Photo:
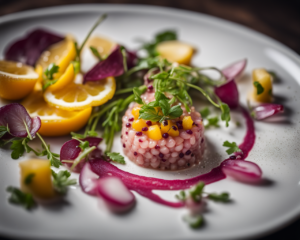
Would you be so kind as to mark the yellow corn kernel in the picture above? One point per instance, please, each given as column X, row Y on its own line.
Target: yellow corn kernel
column 154, row 132
column 136, row 112
column 262, row 77
column 170, row 128
column 137, row 125
column 187, row 123
column 39, row 172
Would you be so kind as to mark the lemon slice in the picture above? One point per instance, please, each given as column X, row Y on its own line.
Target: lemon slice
column 16, row 80
column 55, row 122
column 61, row 53
column 104, row 47
column 175, row 51
column 80, row 96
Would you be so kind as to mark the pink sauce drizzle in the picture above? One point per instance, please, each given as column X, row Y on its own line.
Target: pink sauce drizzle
column 145, row 185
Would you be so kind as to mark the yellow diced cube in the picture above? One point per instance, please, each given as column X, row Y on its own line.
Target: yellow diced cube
column 36, row 178
column 165, row 126
column 154, row 132
column 137, row 125
column 174, row 132
column 136, row 112
column 187, row 123
column 262, row 82
column 175, row 51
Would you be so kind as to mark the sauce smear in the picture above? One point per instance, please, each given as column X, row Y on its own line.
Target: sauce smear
column 145, row 185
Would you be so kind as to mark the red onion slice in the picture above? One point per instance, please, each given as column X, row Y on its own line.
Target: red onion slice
column 115, row 194
column 88, row 179
column 243, row 171
column 234, row 70
column 111, row 66
column 70, row 151
column 266, row 110
column 228, row 93
column 28, row 49
column 15, row 116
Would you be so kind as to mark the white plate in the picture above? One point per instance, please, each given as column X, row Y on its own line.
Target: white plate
column 256, row 210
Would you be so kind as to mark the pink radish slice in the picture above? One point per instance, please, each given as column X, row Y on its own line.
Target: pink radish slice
column 70, row 151
column 88, row 180
column 234, row 70
column 111, row 66
column 241, row 170
column 28, row 49
column 115, row 194
column 266, row 110
column 15, row 116
column 228, row 93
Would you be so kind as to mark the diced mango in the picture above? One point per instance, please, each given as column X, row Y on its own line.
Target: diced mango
column 187, row 123
column 36, row 178
column 262, row 82
column 154, row 132
column 175, row 51
column 137, row 125
column 169, row 128
column 165, row 127
column 136, row 112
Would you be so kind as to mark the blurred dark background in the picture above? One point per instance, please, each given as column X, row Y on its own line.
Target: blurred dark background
column 277, row 19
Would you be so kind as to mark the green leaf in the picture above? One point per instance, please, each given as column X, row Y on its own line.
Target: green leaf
column 137, row 96
column 51, row 70
column 48, row 83
column 225, row 115
column 259, row 88
column 96, row 53
column 222, row 197
column 116, row 157
column 232, row 147
column 181, row 196
column 20, row 198
column 149, row 113
column 77, row 135
column 205, row 112
column 196, row 192
column 28, row 178
column 76, row 65
column 175, row 112
column 61, row 181
column 166, row 36
column 84, row 145
column 18, row 149
column 165, row 106
column 3, row 130
column 194, row 221
column 212, row 122
column 161, row 75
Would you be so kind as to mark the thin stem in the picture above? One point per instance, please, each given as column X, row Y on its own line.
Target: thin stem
column 122, row 91
column 27, row 130
column 90, row 32
column 81, row 156
column 199, row 89
column 44, row 143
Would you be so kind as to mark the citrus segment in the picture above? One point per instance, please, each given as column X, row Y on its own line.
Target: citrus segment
column 16, row 80
column 80, row 96
column 55, row 122
column 175, row 51
column 104, row 47
column 66, row 78
column 61, row 53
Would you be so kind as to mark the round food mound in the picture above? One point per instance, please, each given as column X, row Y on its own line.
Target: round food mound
column 171, row 153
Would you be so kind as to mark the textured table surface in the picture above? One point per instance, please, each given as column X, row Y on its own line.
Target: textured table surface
column 277, row 19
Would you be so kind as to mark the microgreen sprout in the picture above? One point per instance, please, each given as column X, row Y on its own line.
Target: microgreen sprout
column 232, row 147
column 20, row 198
column 48, row 75
column 61, row 181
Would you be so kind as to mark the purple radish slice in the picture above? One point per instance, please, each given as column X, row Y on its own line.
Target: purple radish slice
column 234, row 70
column 228, row 93
column 70, row 151
column 266, row 110
column 28, row 49
column 115, row 194
column 131, row 58
column 15, row 116
column 111, row 66
column 243, row 171
column 88, row 179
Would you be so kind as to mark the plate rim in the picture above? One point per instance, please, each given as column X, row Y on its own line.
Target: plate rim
column 268, row 228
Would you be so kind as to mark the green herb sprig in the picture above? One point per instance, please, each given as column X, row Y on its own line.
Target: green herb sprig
column 232, row 147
